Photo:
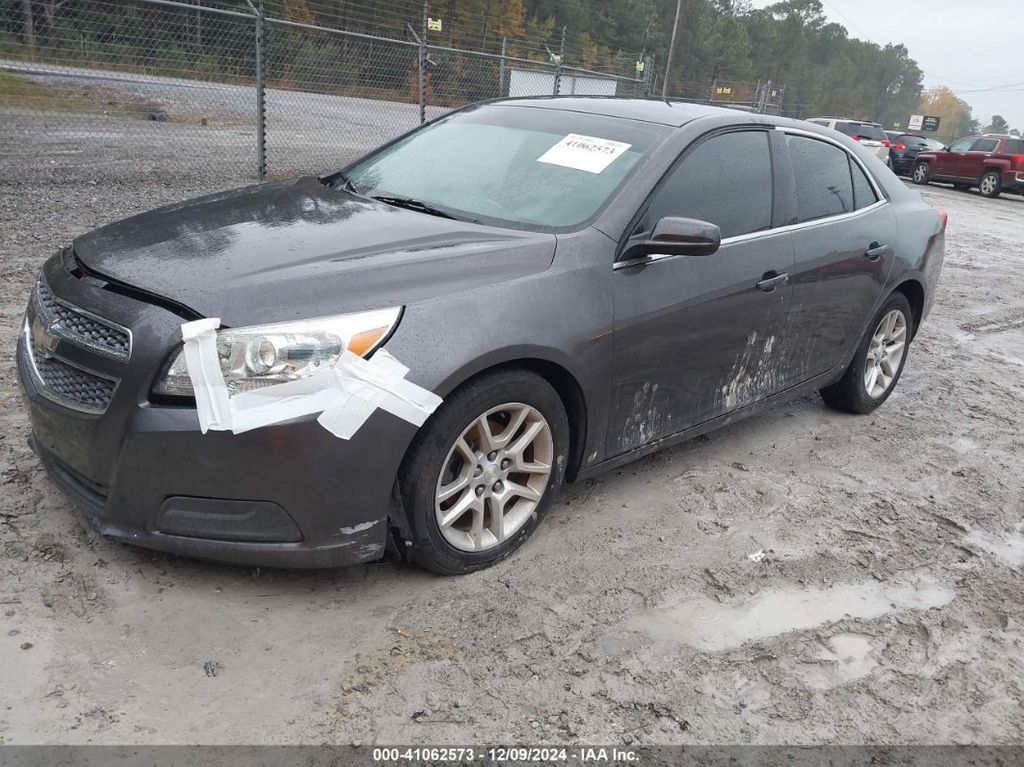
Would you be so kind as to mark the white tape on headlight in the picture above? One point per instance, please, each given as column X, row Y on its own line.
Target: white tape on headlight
column 345, row 395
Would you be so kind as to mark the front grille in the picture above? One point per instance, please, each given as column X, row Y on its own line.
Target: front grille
column 71, row 386
column 80, row 327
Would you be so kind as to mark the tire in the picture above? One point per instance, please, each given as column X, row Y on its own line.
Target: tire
column 991, row 184
column 922, row 173
column 474, row 539
column 850, row 393
column 961, row 187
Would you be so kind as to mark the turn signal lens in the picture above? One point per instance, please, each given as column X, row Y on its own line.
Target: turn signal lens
column 365, row 340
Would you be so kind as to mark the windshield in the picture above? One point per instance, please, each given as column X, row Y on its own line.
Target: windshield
column 524, row 167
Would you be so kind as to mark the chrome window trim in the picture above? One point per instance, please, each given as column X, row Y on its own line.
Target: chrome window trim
column 882, row 201
column 44, row 389
column 58, row 330
column 807, row 224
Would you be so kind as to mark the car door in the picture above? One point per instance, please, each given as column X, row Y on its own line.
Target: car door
column 844, row 248
column 947, row 163
column 973, row 160
column 694, row 335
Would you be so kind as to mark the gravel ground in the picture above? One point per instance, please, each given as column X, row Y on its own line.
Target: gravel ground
column 800, row 577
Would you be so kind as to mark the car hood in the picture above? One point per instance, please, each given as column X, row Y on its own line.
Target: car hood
column 299, row 249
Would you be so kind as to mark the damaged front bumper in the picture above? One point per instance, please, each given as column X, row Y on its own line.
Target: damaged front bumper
column 289, row 495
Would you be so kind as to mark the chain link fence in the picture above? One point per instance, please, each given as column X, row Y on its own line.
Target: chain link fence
column 112, row 91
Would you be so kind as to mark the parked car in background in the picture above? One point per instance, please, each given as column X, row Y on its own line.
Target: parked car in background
column 573, row 282
column 867, row 134
column 903, row 150
column 992, row 163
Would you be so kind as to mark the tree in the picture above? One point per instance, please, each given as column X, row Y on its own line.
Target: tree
column 998, row 125
column 955, row 113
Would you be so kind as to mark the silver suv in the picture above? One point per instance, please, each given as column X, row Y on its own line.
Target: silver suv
column 871, row 135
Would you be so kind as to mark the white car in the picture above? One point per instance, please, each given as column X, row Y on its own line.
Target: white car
column 871, row 135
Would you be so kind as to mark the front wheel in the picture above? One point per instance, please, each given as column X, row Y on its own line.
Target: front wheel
column 991, row 184
column 483, row 471
column 878, row 362
column 922, row 173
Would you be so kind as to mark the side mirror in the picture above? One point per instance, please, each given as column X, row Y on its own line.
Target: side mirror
column 677, row 237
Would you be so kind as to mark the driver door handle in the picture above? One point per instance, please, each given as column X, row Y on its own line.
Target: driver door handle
column 876, row 251
column 771, row 281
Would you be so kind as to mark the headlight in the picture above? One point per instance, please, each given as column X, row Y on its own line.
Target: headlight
column 263, row 355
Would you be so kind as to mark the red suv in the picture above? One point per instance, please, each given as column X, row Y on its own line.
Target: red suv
column 992, row 163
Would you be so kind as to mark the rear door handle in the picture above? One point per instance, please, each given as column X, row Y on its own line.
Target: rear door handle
column 771, row 281
column 876, row 251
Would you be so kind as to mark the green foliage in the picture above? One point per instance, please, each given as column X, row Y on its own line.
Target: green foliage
column 998, row 124
column 790, row 43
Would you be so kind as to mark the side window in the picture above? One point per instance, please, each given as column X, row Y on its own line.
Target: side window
column 821, row 173
column 961, row 145
column 1015, row 147
column 863, row 192
column 985, row 145
column 726, row 180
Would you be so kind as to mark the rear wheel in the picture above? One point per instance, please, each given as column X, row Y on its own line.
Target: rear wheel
column 483, row 471
column 878, row 362
column 991, row 184
column 922, row 173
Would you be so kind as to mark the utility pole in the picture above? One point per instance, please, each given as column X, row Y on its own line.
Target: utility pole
column 671, row 49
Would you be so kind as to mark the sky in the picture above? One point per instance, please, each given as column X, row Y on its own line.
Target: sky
column 970, row 47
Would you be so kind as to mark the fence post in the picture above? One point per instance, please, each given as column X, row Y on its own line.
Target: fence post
column 649, row 76
column 261, row 109
column 501, row 68
column 558, row 65
column 423, row 67
column 765, row 96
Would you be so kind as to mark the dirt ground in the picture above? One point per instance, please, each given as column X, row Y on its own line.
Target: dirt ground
column 802, row 577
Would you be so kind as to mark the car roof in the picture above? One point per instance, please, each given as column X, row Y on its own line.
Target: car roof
column 848, row 120
column 671, row 113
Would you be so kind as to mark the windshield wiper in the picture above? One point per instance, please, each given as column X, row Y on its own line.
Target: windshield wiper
column 418, row 205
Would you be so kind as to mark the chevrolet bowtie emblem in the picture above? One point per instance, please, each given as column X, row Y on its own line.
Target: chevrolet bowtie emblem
column 43, row 341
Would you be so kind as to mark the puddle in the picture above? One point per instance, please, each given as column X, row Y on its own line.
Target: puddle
column 709, row 625
column 845, row 658
column 965, row 445
column 1009, row 550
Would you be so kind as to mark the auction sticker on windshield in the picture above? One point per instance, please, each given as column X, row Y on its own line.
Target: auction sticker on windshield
column 584, row 153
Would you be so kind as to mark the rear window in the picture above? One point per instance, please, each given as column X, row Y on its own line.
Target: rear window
column 1014, row 146
column 918, row 142
column 861, row 130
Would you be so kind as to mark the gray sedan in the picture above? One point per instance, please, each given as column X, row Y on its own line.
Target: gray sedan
column 410, row 355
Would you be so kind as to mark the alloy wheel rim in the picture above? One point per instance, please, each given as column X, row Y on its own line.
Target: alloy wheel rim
column 919, row 173
column 885, row 353
column 987, row 184
column 493, row 477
